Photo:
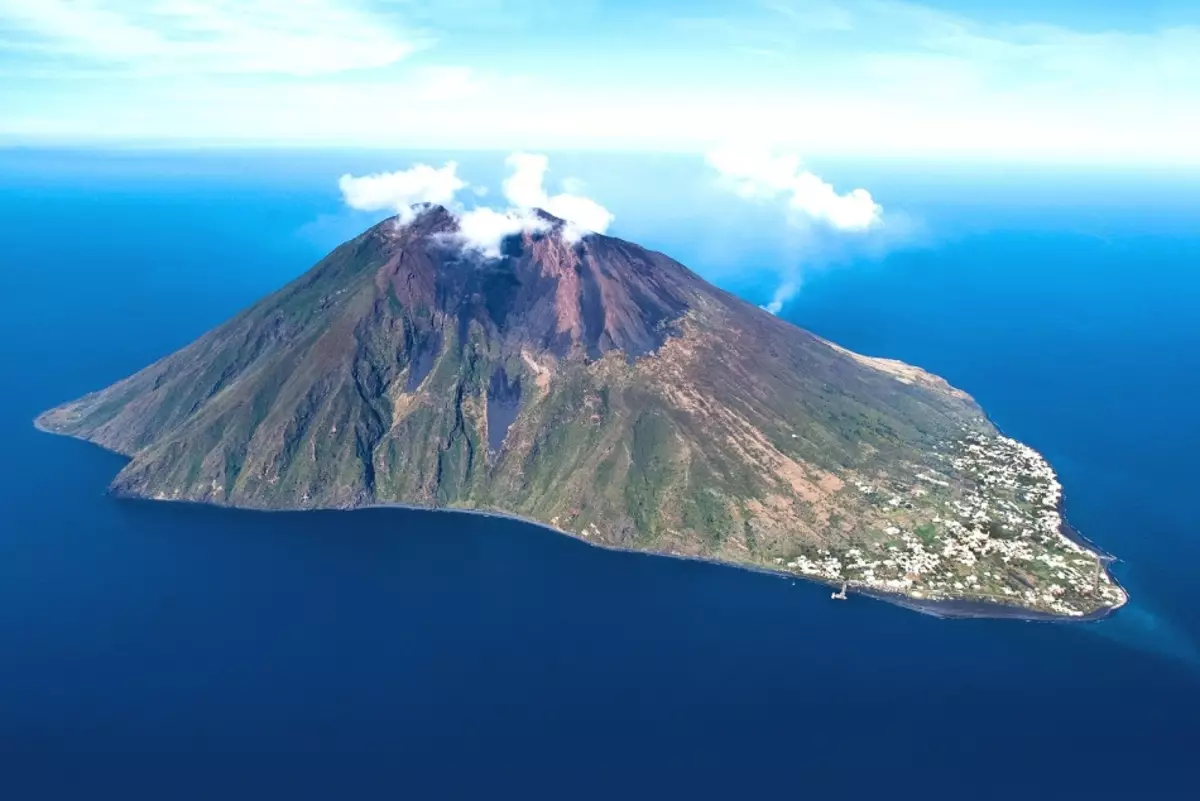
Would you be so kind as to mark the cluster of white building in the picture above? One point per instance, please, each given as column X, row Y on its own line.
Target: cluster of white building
column 1004, row 503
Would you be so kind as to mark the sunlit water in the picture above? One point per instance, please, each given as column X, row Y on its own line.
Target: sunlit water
column 169, row 651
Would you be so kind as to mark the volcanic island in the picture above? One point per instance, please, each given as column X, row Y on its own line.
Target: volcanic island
column 606, row 391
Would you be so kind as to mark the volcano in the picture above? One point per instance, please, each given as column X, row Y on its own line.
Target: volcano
column 604, row 390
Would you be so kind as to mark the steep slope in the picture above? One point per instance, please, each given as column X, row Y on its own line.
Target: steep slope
column 607, row 391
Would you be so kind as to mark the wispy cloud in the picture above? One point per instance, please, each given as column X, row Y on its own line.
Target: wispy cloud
column 447, row 83
column 290, row 37
column 816, row 14
column 1026, row 55
column 813, row 206
column 881, row 77
column 875, row 78
column 502, row 16
column 753, row 171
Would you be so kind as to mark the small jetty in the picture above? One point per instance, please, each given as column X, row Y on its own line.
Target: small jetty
column 839, row 596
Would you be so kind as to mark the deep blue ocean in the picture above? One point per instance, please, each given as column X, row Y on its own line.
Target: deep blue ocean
column 155, row 651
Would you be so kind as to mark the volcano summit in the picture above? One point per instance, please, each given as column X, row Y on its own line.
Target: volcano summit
column 604, row 390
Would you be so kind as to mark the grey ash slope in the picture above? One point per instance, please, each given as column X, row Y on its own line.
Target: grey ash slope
column 602, row 389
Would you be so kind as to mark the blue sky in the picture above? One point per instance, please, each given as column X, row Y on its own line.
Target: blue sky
column 1058, row 81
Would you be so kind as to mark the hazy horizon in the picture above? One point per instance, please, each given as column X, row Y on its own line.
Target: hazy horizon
column 1053, row 82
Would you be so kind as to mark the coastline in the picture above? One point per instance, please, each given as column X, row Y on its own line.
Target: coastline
column 949, row 609
column 37, row 423
column 945, row 609
column 1069, row 532
column 1066, row 529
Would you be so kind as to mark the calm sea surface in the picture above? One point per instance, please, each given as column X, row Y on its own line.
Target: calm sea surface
column 152, row 651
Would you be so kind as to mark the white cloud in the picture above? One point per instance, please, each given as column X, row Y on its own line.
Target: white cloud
column 825, row 223
column 854, row 78
column 481, row 229
column 398, row 191
column 444, row 83
column 292, row 37
column 484, row 230
column 525, row 188
column 754, row 172
column 572, row 186
column 888, row 79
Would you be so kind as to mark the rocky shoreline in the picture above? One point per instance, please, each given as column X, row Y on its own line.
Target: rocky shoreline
column 965, row 607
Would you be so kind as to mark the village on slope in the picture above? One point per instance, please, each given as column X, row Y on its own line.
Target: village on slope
column 1001, row 541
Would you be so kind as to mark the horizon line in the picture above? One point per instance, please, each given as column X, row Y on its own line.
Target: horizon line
column 181, row 147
